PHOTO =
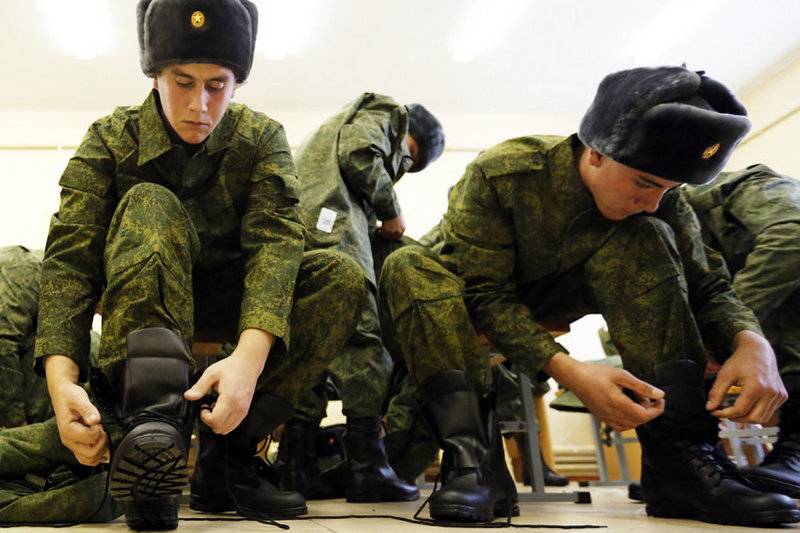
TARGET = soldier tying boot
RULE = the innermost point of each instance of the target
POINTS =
(752, 217)
(347, 169)
(552, 228)
(181, 216)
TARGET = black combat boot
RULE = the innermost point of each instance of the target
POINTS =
(299, 466)
(551, 477)
(229, 477)
(209, 491)
(370, 478)
(476, 484)
(685, 474)
(148, 468)
(780, 470)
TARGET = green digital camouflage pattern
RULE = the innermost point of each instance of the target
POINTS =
(753, 218)
(239, 191)
(23, 394)
(525, 245)
(42, 483)
(349, 166)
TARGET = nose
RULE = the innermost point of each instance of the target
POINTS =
(199, 100)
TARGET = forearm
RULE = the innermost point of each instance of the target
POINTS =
(750, 339)
(59, 370)
(254, 346)
(562, 368)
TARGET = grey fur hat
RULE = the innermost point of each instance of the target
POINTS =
(222, 32)
(671, 122)
(427, 132)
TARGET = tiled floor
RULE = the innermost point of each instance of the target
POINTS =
(610, 507)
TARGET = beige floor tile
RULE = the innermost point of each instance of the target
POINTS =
(610, 507)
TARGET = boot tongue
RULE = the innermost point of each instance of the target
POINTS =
(681, 372)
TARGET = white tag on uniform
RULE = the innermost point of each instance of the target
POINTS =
(326, 219)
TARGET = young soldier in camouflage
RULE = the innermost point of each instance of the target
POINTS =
(181, 216)
(347, 169)
(752, 217)
(551, 228)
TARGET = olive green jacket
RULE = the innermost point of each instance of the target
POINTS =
(347, 170)
(753, 218)
(521, 216)
(240, 190)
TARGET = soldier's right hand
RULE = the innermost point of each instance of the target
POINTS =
(79, 424)
(602, 391)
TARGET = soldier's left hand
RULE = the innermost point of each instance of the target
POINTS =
(752, 367)
(234, 378)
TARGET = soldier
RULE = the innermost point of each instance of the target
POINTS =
(347, 169)
(551, 228)
(181, 215)
(752, 217)
(23, 394)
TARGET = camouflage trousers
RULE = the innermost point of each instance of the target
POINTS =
(42, 483)
(634, 279)
(154, 279)
(362, 372)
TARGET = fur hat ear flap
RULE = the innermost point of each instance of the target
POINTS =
(719, 97)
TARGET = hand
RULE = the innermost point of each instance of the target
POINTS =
(79, 425)
(752, 367)
(77, 419)
(392, 229)
(600, 388)
(234, 378)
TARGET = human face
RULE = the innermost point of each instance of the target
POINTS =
(413, 148)
(194, 97)
(620, 191)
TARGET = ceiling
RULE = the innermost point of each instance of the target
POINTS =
(538, 56)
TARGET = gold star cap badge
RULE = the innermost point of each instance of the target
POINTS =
(709, 152)
(198, 19)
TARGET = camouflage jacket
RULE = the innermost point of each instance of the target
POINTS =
(347, 169)
(521, 215)
(240, 190)
(23, 394)
(753, 218)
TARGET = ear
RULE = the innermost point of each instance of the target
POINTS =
(595, 158)
(155, 81)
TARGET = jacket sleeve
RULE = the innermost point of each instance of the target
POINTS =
(363, 150)
(719, 313)
(271, 237)
(769, 209)
(72, 270)
(480, 247)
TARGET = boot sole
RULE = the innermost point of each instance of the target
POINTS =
(274, 514)
(149, 464)
(462, 513)
(760, 518)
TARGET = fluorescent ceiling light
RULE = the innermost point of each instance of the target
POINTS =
(485, 24)
(284, 26)
(673, 25)
(82, 28)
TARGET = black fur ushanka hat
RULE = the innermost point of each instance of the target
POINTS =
(671, 122)
(222, 32)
